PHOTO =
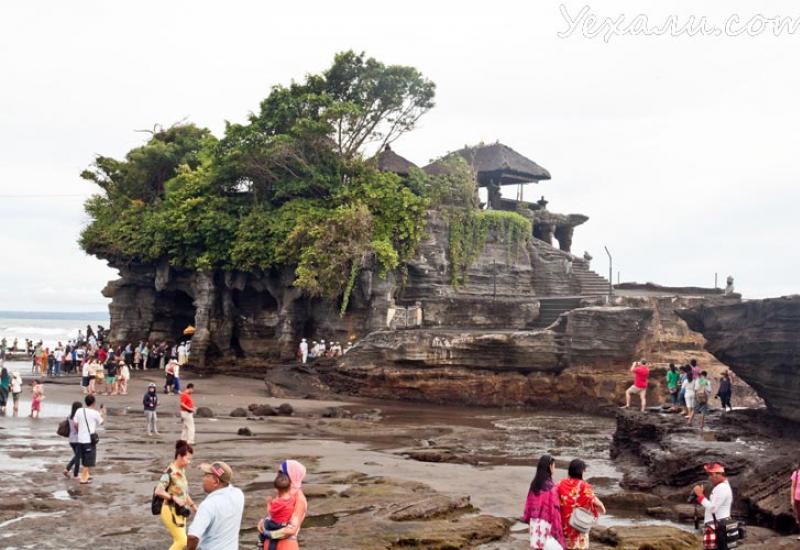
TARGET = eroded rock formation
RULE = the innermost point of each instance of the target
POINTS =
(760, 340)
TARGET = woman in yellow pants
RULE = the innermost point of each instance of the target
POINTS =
(173, 487)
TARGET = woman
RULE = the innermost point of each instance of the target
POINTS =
(672, 385)
(288, 535)
(573, 493)
(724, 392)
(542, 508)
(75, 463)
(688, 394)
(124, 376)
(173, 487)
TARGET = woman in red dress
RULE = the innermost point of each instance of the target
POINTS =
(573, 493)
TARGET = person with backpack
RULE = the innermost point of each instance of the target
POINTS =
(173, 489)
(702, 392)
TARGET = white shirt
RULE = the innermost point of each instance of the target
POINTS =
(88, 421)
(85, 370)
(16, 384)
(688, 387)
(218, 520)
(719, 504)
(59, 354)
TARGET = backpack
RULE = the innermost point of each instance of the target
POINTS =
(63, 428)
(158, 502)
(701, 395)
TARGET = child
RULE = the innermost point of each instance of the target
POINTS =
(280, 511)
(36, 399)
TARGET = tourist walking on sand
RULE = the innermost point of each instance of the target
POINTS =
(673, 376)
(794, 495)
(5, 387)
(75, 463)
(150, 402)
(640, 375)
(173, 487)
(187, 414)
(169, 376)
(287, 536)
(574, 493)
(37, 396)
(725, 391)
(688, 393)
(218, 518)
(543, 508)
(718, 505)
(123, 377)
(702, 393)
(112, 367)
(16, 390)
(88, 420)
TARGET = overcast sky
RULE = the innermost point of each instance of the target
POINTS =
(681, 150)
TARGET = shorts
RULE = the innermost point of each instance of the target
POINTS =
(701, 408)
(15, 396)
(689, 397)
(637, 389)
(110, 379)
(85, 381)
(88, 454)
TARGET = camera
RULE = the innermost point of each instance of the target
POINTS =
(184, 511)
(692, 498)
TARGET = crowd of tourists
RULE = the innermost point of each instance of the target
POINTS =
(689, 387)
(316, 350)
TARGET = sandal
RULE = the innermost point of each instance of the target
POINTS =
(87, 482)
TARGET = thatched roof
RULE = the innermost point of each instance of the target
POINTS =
(498, 163)
(389, 161)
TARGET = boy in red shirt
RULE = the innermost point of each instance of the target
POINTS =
(280, 509)
(640, 375)
(187, 414)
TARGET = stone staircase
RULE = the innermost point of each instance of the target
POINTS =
(591, 284)
(551, 308)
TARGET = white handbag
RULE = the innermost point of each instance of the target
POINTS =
(581, 520)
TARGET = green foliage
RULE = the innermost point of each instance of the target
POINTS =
(468, 231)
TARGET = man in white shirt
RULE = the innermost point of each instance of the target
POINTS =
(88, 420)
(303, 351)
(719, 504)
(219, 517)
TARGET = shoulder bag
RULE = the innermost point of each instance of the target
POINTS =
(63, 428)
(157, 502)
(93, 437)
(581, 519)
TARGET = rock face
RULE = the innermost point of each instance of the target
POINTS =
(759, 340)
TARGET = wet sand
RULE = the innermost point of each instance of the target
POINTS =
(361, 451)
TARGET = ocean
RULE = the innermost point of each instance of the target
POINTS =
(49, 327)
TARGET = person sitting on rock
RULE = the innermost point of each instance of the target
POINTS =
(640, 375)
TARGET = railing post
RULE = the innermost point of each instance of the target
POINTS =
(610, 273)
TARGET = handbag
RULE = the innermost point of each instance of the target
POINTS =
(63, 428)
(158, 502)
(93, 437)
(581, 519)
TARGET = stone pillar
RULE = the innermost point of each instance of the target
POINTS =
(564, 235)
(494, 195)
(204, 293)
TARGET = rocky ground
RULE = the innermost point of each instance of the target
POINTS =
(382, 475)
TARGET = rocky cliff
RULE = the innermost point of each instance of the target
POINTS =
(759, 340)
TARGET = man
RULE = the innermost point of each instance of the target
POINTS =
(303, 351)
(88, 420)
(719, 504)
(218, 518)
(187, 414)
(702, 393)
(640, 375)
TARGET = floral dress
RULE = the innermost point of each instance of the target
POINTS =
(575, 493)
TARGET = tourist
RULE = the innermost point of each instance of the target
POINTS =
(169, 377)
(58, 358)
(640, 375)
(702, 392)
(37, 396)
(573, 493)
(5, 387)
(50, 362)
(127, 354)
(88, 420)
(672, 385)
(218, 518)
(16, 390)
(288, 535)
(75, 463)
(122, 379)
(303, 351)
(718, 506)
(137, 356)
(173, 487)
(279, 511)
(150, 402)
(112, 368)
(182, 353)
(725, 391)
(176, 373)
(90, 368)
(728, 286)
(187, 414)
(688, 392)
(695, 369)
(794, 495)
(542, 507)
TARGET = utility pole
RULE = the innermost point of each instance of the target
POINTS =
(610, 273)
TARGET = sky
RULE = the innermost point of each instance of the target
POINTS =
(680, 149)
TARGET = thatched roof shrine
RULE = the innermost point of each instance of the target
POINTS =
(389, 161)
(498, 164)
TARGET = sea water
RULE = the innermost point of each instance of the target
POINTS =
(49, 327)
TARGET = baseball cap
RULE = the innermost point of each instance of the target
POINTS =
(221, 470)
(714, 468)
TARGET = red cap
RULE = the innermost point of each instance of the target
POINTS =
(714, 468)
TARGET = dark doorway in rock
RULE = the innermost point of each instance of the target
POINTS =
(309, 328)
(174, 312)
